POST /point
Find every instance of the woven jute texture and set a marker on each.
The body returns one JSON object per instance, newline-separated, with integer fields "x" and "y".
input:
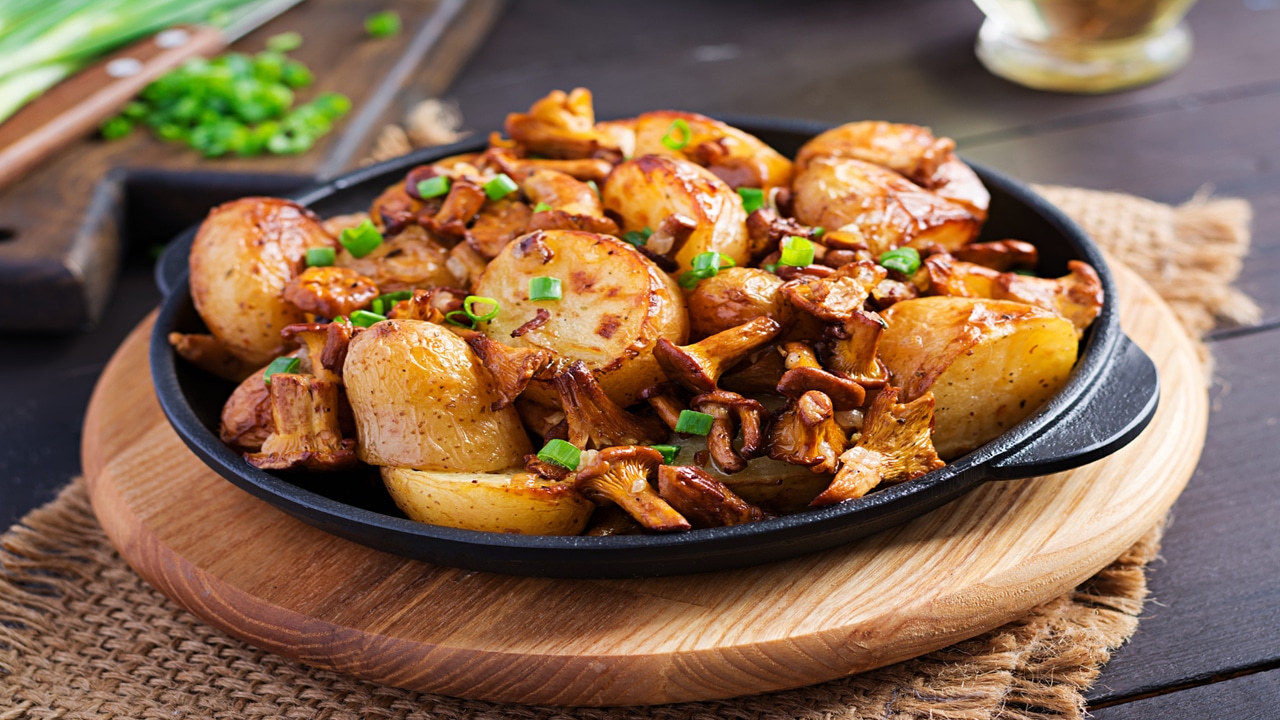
{"x": 82, "y": 636}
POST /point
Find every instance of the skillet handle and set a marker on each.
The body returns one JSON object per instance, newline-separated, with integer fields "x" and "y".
{"x": 1105, "y": 420}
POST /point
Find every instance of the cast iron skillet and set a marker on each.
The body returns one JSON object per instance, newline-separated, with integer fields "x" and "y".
{"x": 1108, "y": 399}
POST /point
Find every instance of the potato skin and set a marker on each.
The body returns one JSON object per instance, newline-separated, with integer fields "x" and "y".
{"x": 735, "y": 296}
{"x": 245, "y": 253}
{"x": 885, "y": 208}
{"x": 614, "y": 306}
{"x": 646, "y": 190}
{"x": 510, "y": 502}
{"x": 989, "y": 363}
{"x": 422, "y": 400}
{"x": 713, "y": 143}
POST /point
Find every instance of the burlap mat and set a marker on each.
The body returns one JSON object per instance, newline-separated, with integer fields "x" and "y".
{"x": 82, "y": 636}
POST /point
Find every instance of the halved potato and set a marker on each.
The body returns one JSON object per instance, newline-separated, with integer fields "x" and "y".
{"x": 884, "y": 208}
{"x": 989, "y": 363}
{"x": 508, "y": 502}
{"x": 739, "y": 158}
{"x": 245, "y": 253}
{"x": 645, "y": 191}
{"x": 422, "y": 399}
{"x": 615, "y": 304}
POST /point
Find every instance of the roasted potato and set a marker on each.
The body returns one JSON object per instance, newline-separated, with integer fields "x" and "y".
{"x": 615, "y": 304}
{"x": 737, "y": 157}
{"x": 989, "y": 363}
{"x": 508, "y": 502}
{"x": 423, "y": 400}
{"x": 735, "y": 296}
{"x": 884, "y": 208}
{"x": 909, "y": 150}
{"x": 244, "y": 255}
{"x": 645, "y": 191}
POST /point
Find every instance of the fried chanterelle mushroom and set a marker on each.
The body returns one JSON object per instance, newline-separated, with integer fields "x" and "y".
{"x": 306, "y": 433}
{"x": 620, "y": 475}
{"x": 895, "y": 446}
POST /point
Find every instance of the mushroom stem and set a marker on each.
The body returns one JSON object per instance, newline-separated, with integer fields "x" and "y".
{"x": 621, "y": 475}
{"x": 703, "y": 500}
{"x": 724, "y": 407}
{"x": 699, "y": 366}
{"x": 853, "y": 352}
{"x": 512, "y": 368}
{"x": 806, "y": 433}
{"x": 595, "y": 420}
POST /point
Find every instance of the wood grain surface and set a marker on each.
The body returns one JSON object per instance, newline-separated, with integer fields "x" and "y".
{"x": 290, "y": 588}
{"x": 59, "y": 246}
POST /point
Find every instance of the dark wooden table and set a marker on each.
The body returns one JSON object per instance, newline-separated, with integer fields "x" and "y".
{"x": 1209, "y": 643}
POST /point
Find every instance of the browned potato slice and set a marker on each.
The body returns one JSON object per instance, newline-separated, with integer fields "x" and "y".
{"x": 989, "y": 363}
{"x": 615, "y": 304}
{"x": 508, "y": 502}
{"x": 646, "y": 190}
{"x": 245, "y": 253}
{"x": 886, "y": 209}
{"x": 737, "y": 157}
{"x": 422, "y": 399}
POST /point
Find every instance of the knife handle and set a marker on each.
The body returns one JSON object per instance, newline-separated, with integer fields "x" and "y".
{"x": 78, "y": 105}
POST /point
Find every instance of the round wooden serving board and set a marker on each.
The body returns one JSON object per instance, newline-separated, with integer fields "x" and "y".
{"x": 285, "y": 586}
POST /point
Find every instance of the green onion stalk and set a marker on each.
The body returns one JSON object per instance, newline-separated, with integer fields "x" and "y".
{"x": 44, "y": 41}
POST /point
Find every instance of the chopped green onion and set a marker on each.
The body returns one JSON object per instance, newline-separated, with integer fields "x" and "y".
{"x": 796, "y": 251}
{"x": 378, "y": 306}
{"x": 818, "y": 231}
{"x": 364, "y": 318}
{"x": 712, "y": 261}
{"x": 1028, "y": 273}
{"x": 694, "y": 423}
{"x": 433, "y": 187}
{"x": 541, "y": 207}
{"x": 361, "y": 239}
{"x": 397, "y": 296}
{"x": 561, "y": 453}
{"x": 669, "y": 452}
{"x": 752, "y": 198}
{"x": 689, "y": 279}
{"x": 705, "y": 265}
{"x": 770, "y": 267}
{"x": 475, "y": 316}
{"x": 452, "y": 316}
{"x": 321, "y": 256}
{"x": 341, "y": 319}
{"x": 544, "y": 288}
{"x": 280, "y": 365}
{"x": 383, "y": 24}
{"x": 681, "y": 126}
{"x": 500, "y": 186}
{"x": 904, "y": 259}
{"x": 116, "y": 128}
{"x": 592, "y": 184}
{"x": 638, "y": 237}
{"x": 284, "y": 42}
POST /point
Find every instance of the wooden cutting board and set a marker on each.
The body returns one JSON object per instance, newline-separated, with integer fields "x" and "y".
{"x": 287, "y": 587}
{"x": 59, "y": 242}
